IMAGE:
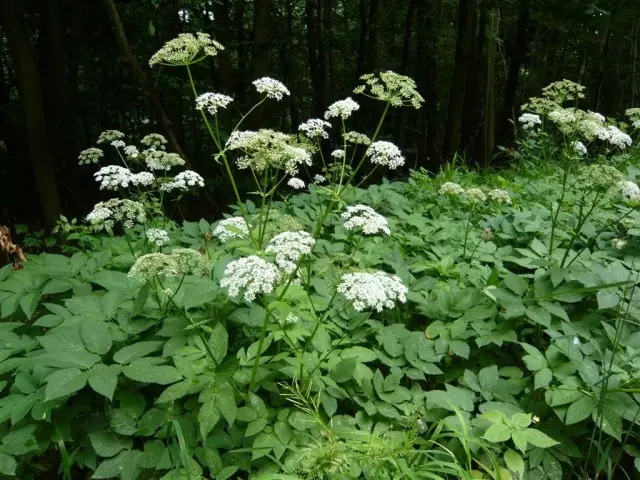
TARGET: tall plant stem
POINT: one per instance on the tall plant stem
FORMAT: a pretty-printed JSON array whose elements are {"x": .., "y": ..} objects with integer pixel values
[{"x": 554, "y": 216}]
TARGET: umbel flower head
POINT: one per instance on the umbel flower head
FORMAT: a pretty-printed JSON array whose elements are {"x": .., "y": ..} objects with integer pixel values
[
  {"x": 154, "y": 140},
  {"x": 296, "y": 183},
  {"x": 271, "y": 88},
  {"x": 385, "y": 154},
  {"x": 598, "y": 177},
  {"x": 579, "y": 148},
  {"x": 475, "y": 195},
  {"x": 90, "y": 155},
  {"x": 629, "y": 192},
  {"x": 157, "y": 236},
  {"x": 315, "y": 127},
  {"x": 450, "y": 188},
  {"x": 529, "y": 120},
  {"x": 498, "y": 195},
  {"x": 212, "y": 102},
  {"x": 365, "y": 219},
  {"x": 191, "y": 262},
  {"x": 109, "y": 136},
  {"x": 357, "y": 138},
  {"x": 375, "y": 291},
  {"x": 398, "y": 90},
  {"x": 341, "y": 108},
  {"x": 148, "y": 266},
  {"x": 113, "y": 177},
  {"x": 185, "y": 49},
  {"x": 161, "y": 160},
  {"x": 183, "y": 181},
  {"x": 106, "y": 214},
  {"x": 231, "y": 229},
  {"x": 289, "y": 247},
  {"x": 251, "y": 275}
]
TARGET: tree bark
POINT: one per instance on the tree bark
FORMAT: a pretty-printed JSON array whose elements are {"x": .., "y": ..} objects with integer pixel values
[
  {"x": 474, "y": 98},
  {"x": 140, "y": 76},
  {"x": 463, "y": 61},
  {"x": 224, "y": 34},
  {"x": 260, "y": 48},
  {"x": 490, "y": 91},
  {"x": 316, "y": 57},
  {"x": 31, "y": 98},
  {"x": 408, "y": 34}
]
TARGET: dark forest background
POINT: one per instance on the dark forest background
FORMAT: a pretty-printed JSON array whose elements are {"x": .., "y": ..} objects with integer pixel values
[{"x": 70, "y": 69}]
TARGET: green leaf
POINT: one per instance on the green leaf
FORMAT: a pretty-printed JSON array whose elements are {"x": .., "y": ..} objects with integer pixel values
[
  {"x": 516, "y": 283},
  {"x": 539, "y": 315},
  {"x": 96, "y": 336},
  {"x": 124, "y": 466},
  {"x": 521, "y": 420},
  {"x": 488, "y": 378},
  {"x": 218, "y": 342},
  {"x": 607, "y": 299},
  {"x": 108, "y": 444},
  {"x": 62, "y": 383},
  {"x": 514, "y": 462},
  {"x": 460, "y": 348},
  {"x": 208, "y": 417},
  {"x": 226, "y": 403},
  {"x": 497, "y": 433},
  {"x": 535, "y": 437},
  {"x": 343, "y": 370},
  {"x": 542, "y": 378},
  {"x": 534, "y": 360},
  {"x": 8, "y": 464},
  {"x": 135, "y": 351},
  {"x": 103, "y": 379},
  {"x": 256, "y": 427},
  {"x": 144, "y": 372},
  {"x": 579, "y": 410},
  {"x": 175, "y": 391}
]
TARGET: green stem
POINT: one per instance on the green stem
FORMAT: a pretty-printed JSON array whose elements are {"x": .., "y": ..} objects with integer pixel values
[
  {"x": 256, "y": 365},
  {"x": 466, "y": 232},
  {"x": 582, "y": 219},
  {"x": 554, "y": 218}
]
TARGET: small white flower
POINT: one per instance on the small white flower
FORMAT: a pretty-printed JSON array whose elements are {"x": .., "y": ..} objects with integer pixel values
[
  {"x": 535, "y": 419},
  {"x": 272, "y": 88},
  {"x": 185, "y": 48},
  {"x": 629, "y": 191},
  {"x": 109, "y": 136},
  {"x": 290, "y": 320},
  {"x": 131, "y": 151},
  {"x": 376, "y": 291},
  {"x": 338, "y": 154},
  {"x": 231, "y": 229},
  {"x": 142, "y": 178},
  {"x": 636, "y": 124},
  {"x": 341, "y": 108},
  {"x": 385, "y": 154},
  {"x": 529, "y": 120},
  {"x": 289, "y": 247},
  {"x": 154, "y": 140},
  {"x": 450, "y": 188},
  {"x": 106, "y": 214},
  {"x": 475, "y": 195},
  {"x": 183, "y": 181},
  {"x": 157, "y": 236},
  {"x": 365, "y": 219},
  {"x": 315, "y": 127},
  {"x": 183, "y": 14},
  {"x": 252, "y": 274},
  {"x": 615, "y": 137},
  {"x": 90, "y": 155},
  {"x": 618, "y": 243},
  {"x": 147, "y": 267},
  {"x": 212, "y": 102},
  {"x": 576, "y": 341},
  {"x": 113, "y": 177},
  {"x": 118, "y": 144},
  {"x": 579, "y": 147},
  {"x": 296, "y": 183},
  {"x": 498, "y": 195},
  {"x": 161, "y": 160},
  {"x": 99, "y": 214},
  {"x": 319, "y": 178},
  {"x": 357, "y": 138}
]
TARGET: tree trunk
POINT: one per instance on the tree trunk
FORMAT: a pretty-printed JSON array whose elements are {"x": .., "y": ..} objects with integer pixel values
[
  {"x": 33, "y": 107},
  {"x": 327, "y": 37},
  {"x": 290, "y": 67},
  {"x": 490, "y": 84},
  {"x": 224, "y": 34},
  {"x": 408, "y": 33},
  {"x": 463, "y": 63},
  {"x": 603, "y": 48},
  {"x": 474, "y": 98},
  {"x": 242, "y": 53},
  {"x": 376, "y": 13},
  {"x": 140, "y": 76},
  {"x": 316, "y": 60},
  {"x": 260, "y": 49}
]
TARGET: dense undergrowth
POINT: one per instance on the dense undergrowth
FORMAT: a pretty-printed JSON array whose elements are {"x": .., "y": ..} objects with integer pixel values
[{"x": 468, "y": 325}]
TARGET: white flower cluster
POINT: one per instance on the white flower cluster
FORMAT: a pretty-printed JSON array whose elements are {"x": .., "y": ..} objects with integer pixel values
[
  {"x": 113, "y": 177},
  {"x": 131, "y": 151},
  {"x": 598, "y": 177},
  {"x": 529, "y": 120},
  {"x": 636, "y": 124},
  {"x": 615, "y": 137},
  {"x": 618, "y": 243},
  {"x": 338, "y": 154},
  {"x": 475, "y": 195},
  {"x": 191, "y": 262},
  {"x": 315, "y": 127},
  {"x": 118, "y": 144},
  {"x": 212, "y": 102},
  {"x": 154, "y": 140},
  {"x": 183, "y": 181},
  {"x": 375, "y": 291},
  {"x": 296, "y": 183},
  {"x": 319, "y": 178},
  {"x": 106, "y": 214},
  {"x": 231, "y": 229},
  {"x": 565, "y": 119},
  {"x": 268, "y": 148},
  {"x": 579, "y": 147},
  {"x": 365, "y": 219},
  {"x": 629, "y": 191},
  {"x": 398, "y": 90},
  {"x": 185, "y": 49},
  {"x": 357, "y": 138},
  {"x": 498, "y": 195},
  {"x": 289, "y": 248},
  {"x": 341, "y": 108},
  {"x": 161, "y": 160},
  {"x": 252, "y": 274},
  {"x": 385, "y": 154},
  {"x": 157, "y": 236},
  {"x": 148, "y": 266},
  {"x": 272, "y": 88},
  {"x": 450, "y": 188},
  {"x": 90, "y": 155},
  {"x": 143, "y": 178},
  {"x": 109, "y": 136}
]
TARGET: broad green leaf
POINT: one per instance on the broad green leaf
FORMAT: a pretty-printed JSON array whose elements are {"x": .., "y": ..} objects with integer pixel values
[
  {"x": 137, "y": 350},
  {"x": 256, "y": 427},
  {"x": 539, "y": 315},
  {"x": 488, "y": 378},
  {"x": 514, "y": 462},
  {"x": 108, "y": 444},
  {"x": 175, "y": 391},
  {"x": 607, "y": 299},
  {"x": 208, "y": 417},
  {"x": 579, "y": 410},
  {"x": 497, "y": 433},
  {"x": 226, "y": 403},
  {"x": 516, "y": 283},
  {"x": 343, "y": 371},
  {"x": 218, "y": 342},
  {"x": 144, "y": 372},
  {"x": 521, "y": 420},
  {"x": 103, "y": 379},
  {"x": 8, "y": 464},
  {"x": 62, "y": 383},
  {"x": 542, "y": 378},
  {"x": 534, "y": 360},
  {"x": 96, "y": 336},
  {"x": 123, "y": 465},
  {"x": 535, "y": 437}
]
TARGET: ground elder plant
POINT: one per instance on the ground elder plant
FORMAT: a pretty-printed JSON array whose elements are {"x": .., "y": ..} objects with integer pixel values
[{"x": 471, "y": 325}]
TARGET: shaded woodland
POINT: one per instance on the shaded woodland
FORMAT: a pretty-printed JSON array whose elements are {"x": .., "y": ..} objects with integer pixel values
[{"x": 70, "y": 69}]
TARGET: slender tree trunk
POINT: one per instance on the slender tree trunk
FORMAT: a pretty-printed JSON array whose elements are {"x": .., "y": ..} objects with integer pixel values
[
  {"x": 463, "y": 63},
  {"x": 376, "y": 14},
  {"x": 474, "y": 98},
  {"x": 327, "y": 37},
  {"x": 490, "y": 84},
  {"x": 224, "y": 34},
  {"x": 362, "y": 39},
  {"x": 408, "y": 33},
  {"x": 603, "y": 48},
  {"x": 239, "y": 12},
  {"x": 517, "y": 55},
  {"x": 140, "y": 76},
  {"x": 290, "y": 67},
  {"x": 33, "y": 107},
  {"x": 316, "y": 59},
  {"x": 260, "y": 49}
]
